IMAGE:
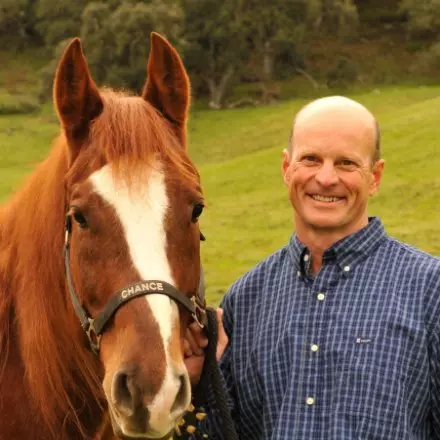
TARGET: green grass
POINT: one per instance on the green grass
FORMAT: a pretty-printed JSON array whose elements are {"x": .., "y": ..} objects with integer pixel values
[{"x": 239, "y": 152}]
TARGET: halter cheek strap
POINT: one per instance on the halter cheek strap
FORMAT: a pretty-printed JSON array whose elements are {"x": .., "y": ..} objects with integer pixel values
[{"x": 94, "y": 327}]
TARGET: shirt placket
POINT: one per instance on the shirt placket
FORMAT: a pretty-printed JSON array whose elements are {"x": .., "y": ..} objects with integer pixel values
[{"x": 313, "y": 344}]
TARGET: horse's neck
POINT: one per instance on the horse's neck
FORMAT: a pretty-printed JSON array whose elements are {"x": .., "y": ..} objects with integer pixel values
[{"x": 34, "y": 319}]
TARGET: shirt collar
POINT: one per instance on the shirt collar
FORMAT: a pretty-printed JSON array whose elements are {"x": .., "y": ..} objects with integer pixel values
[{"x": 347, "y": 252}]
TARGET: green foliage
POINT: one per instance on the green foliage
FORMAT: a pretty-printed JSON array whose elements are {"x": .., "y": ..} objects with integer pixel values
[
  {"x": 335, "y": 17},
  {"x": 16, "y": 22},
  {"x": 126, "y": 31},
  {"x": 424, "y": 23},
  {"x": 57, "y": 20},
  {"x": 428, "y": 61},
  {"x": 276, "y": 31},
  {"x": 214, "y": 43},
  {"x": 342, "y": 73},
  {"x": 373, "y": 13},
  {"x": 17, "y": 104},
  {"x": 97, "y": 38},
  {"x": 423, "y": 17}
]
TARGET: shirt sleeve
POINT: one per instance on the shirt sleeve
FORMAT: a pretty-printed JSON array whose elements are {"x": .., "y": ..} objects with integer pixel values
[{"x": 434, "y": 360}]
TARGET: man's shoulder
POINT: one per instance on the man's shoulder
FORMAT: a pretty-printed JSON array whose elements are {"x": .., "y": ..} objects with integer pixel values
[{"x": 407, "y": 254}]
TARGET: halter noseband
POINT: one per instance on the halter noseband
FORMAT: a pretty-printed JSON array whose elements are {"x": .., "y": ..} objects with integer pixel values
[{"x": 94, "y": 327}]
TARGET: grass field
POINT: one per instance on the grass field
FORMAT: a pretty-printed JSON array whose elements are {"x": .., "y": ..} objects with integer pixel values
[{"x": 239, "y": 151}]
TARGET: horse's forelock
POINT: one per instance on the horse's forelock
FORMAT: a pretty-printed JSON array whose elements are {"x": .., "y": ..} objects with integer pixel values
[{"x": 131, "y": 135}]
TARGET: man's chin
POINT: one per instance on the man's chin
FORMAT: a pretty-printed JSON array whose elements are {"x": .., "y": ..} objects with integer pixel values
[{"x": 326, "y": 222}]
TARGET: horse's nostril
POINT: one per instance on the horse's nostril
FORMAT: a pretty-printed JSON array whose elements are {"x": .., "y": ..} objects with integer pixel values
[
  {"x": 125, "y": 393},
  {"x": 182, "y": 394}
]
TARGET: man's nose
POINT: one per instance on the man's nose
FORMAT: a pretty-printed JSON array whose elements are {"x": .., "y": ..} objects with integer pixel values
[{"x": 327, "y": 175}]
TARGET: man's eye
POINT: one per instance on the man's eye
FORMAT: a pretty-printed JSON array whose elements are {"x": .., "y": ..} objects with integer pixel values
[
  {"x": 310, "y": 159},
  {"x": 347, "y": 163}
]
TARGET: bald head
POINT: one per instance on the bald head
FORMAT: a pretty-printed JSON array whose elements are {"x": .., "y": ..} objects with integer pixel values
[{"x": 337, "y": 112}]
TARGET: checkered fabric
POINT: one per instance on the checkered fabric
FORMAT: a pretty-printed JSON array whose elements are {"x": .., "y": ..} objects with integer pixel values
[{"x": 351, "y": 353}]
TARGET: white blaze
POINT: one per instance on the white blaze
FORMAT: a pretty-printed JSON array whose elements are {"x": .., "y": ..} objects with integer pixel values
[{"x": 142, "y": 214}]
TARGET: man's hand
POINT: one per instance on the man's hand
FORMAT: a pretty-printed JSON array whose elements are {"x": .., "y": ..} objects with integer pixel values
[{"x": 195, "y": 343}]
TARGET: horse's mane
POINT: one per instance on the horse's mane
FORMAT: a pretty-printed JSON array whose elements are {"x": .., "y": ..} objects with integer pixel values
[{"x": 61, "y": 375}]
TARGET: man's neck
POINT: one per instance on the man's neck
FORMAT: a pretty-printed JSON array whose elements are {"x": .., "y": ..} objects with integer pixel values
[{"x": 319, "y": 240}]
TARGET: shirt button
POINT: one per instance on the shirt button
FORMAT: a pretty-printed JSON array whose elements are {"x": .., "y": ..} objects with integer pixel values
[
  {"x": 320, "y": 296},
  {"x": 306, "y": 257},
  {"x": 298, "y": 274},
  {"x": 310, "y": 400},
  {"x": 346, "y": 269},
  {"x": 314, "y": 348}
]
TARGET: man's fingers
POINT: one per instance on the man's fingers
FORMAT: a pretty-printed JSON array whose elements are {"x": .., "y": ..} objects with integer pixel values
[
  {"x": 195, "y": 342},
  {"x": 187, "y": 348},
  {"x": 222, "y": 336},
  {"x": 198, "y": 334}
]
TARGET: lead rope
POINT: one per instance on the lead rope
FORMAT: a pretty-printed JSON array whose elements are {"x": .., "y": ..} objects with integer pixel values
[{"x": 211, "y": 378}]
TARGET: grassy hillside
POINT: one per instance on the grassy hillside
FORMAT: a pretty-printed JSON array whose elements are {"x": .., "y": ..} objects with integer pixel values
[{"x": 239, "y": 151}]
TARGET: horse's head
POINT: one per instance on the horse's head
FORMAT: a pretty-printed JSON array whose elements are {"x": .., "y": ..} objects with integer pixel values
[{"x": 133, "y": 199}]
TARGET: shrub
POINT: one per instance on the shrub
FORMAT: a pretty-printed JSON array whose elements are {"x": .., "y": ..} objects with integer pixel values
[
  {"x": 342, "y": 74},
  {"x": 17, "y": 103}
]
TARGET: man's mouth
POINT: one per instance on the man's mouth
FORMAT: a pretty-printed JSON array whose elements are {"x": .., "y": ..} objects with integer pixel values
[{"x": 327, "y": 199}]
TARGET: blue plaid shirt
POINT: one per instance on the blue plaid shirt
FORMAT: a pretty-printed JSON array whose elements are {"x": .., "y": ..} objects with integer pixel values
[{"x": 350, "y": 353}]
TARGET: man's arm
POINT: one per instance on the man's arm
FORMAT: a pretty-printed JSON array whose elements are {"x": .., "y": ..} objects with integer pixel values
[
  {"x": 433, "y": 334},
  {"x": 434, "y": 352}
]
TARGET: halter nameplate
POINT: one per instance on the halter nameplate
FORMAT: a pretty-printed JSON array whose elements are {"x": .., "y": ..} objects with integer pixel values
[{"x": 94, "y": 327}]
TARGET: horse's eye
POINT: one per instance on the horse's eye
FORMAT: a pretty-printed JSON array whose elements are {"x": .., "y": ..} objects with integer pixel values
[
  {"x": 197, "y": 211},
  {"x": 80, "y": 219}
]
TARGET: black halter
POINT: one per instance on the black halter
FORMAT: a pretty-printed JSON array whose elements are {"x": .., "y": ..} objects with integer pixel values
[{"x": 94, "y": 327}]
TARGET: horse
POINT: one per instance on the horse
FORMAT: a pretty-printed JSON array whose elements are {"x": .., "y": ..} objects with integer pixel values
[{"x": 100, "y": 269}]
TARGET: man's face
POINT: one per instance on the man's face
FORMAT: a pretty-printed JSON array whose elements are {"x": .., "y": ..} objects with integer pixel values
[{"x": 330, "y": 175}]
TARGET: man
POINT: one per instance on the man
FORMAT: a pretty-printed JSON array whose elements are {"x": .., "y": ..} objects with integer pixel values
[{"x": 337, "y": 335}]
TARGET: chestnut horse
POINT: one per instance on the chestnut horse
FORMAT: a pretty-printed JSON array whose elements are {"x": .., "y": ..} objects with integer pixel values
[{"x": 120, "y": 174}]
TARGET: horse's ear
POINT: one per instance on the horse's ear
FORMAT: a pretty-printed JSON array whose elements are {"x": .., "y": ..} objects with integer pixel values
[
  {"x": 167, "y": 87},
  {"x": 76, "y": 96}
]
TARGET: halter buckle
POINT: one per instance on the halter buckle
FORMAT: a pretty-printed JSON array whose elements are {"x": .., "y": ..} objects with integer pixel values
[
  {"x": 199, "y": 314},
  {"x": 94, "y": 338}
]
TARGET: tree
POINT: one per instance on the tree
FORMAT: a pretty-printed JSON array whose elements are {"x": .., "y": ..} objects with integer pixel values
[
  {"x": 57, "y": 20},
  {"x": 423, "y": 17},
  {"x": 17, "y": 23},
  {"x": 116, "y": 37},
  {"x": 336, "y": 17},
  {"x": 276, "y": 29},
  {"x": 97, "y": 39},
  {"x": 424, "y": 23},
  {"x": 214, "y": 43}
]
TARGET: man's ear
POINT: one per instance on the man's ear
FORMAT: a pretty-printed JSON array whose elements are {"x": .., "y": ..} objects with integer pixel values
[
  {"x": 285, "y": 166},
  {"x": 376, "y": 173}
]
